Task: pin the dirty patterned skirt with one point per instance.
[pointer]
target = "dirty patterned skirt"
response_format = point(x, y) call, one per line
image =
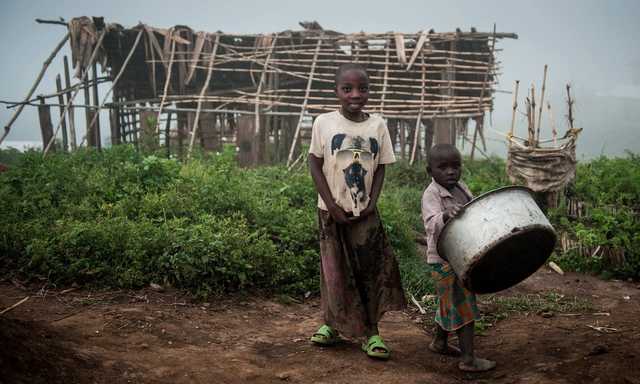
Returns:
point(359, 275)
point(456, 305)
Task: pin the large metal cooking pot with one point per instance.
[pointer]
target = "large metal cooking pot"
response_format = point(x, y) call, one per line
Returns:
point(500, 239)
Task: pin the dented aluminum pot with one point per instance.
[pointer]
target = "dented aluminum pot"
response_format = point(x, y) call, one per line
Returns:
point(498, 240)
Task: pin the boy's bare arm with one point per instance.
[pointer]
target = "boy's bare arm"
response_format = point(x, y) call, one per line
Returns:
point(315, 167)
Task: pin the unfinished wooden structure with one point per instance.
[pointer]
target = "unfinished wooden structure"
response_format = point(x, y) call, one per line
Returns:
point(183, 89)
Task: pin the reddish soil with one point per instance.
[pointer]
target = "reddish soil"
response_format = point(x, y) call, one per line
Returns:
point(164, 337)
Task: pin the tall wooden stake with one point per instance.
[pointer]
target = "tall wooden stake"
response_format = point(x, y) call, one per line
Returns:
point(96, 116)
point(570, 104)
point(44, 113)
point(65, 141)
point(71, 117)
point(515, 106)
point(419, 119)
point(544, 83)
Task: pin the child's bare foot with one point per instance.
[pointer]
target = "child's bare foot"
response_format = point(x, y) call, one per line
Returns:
point(442, 348)
point(477, 365)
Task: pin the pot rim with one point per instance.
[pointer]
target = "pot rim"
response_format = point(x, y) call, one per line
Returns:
point(477, 198)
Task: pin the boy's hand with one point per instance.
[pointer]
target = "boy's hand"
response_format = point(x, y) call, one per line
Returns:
point(451, 212)
point(338, 214)
point(365, 212)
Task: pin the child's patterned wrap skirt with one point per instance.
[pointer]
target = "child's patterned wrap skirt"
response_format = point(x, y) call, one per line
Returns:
point(456, 305)
point(359, 275)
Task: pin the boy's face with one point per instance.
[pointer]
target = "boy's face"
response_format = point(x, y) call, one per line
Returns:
point(446, 169)
point(352, 90)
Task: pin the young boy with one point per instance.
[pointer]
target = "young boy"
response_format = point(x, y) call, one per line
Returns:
point(457, 310)
point(359, 276)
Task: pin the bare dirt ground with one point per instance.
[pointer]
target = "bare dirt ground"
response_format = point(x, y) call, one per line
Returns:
point(147, 336)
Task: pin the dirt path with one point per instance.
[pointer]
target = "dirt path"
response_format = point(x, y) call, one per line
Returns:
point(162, 337)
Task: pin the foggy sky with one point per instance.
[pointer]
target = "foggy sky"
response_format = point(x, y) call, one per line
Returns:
point(591, 44)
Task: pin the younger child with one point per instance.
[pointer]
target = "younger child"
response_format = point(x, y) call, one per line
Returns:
point(359, 276)
point(457, 310)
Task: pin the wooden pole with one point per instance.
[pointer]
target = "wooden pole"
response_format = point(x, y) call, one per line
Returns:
point(65, 141)
point(71, 116)
point(544, 83)
point(194, 131)
point(167, 135)
point(515, 106)
point(88, 112)
point(304, 103)
point(75, 93)
point(473, 143)
point(554, 131)
point(570, 105)
point(96, 116)
point(45, 65)
point(419, 119)
point(46, 128)
point(532, 120)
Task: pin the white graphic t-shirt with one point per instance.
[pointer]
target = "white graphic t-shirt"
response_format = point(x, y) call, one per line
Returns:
point(351, 152)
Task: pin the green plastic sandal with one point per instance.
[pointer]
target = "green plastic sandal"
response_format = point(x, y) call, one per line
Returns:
point(325, 335)
point(375, 342)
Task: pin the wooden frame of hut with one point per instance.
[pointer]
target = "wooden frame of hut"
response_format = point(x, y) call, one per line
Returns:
point(180, 88)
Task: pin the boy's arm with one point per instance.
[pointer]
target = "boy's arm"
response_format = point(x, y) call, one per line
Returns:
point(433, 217)
point(315, 167)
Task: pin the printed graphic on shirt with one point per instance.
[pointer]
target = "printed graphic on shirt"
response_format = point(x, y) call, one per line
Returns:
point(355, 157)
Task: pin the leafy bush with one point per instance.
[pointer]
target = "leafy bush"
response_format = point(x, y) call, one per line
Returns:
point(122, 219)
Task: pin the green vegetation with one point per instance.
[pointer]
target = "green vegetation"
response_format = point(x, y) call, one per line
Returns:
point(610, 188)
point(118, 218)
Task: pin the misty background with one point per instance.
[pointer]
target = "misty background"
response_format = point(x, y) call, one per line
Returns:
point(590, 44)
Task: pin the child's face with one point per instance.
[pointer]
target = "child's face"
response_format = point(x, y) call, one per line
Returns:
point(446, 169)
point(352, 90)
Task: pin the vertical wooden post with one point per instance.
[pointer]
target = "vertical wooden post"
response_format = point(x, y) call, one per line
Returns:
point(88, 112)
point(403, 138)
point(63, 125)
point(96, 111)
point(515, 106)
point(544, 83)
point(386, 76)
point(114, 125)
point(554, 131)
point(70, 110)
point(532, 120)
point(46, 128)
point(570, 105)
point(167, 134)
point(419, 119)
